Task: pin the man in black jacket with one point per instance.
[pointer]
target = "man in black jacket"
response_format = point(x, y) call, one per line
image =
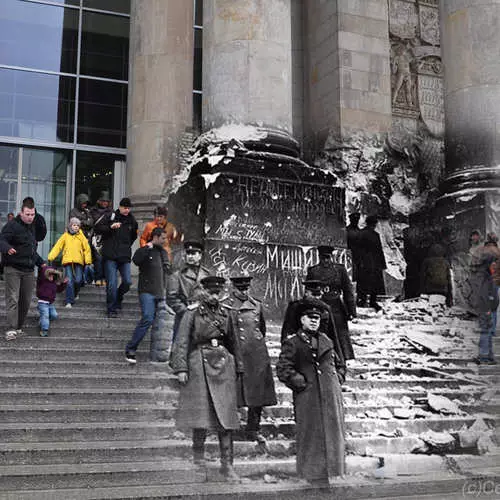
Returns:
point(154, 266)
point(119, 231)
point(18, 247)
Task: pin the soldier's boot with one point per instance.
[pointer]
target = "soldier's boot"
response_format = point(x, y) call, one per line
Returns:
point(226, 457)
point(253, 425)
point(199, 437)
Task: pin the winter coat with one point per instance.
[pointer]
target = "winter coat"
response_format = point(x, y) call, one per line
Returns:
point(154, 267)
point(340, 297)
point(247, 325)
point(170, 230)
point(353, 244)
point(75, 249)
point(371, 263)
point(209, 399)
point(291, 324)
point(183, 286)
point(46, 289)
point(435, 277)
point(307, 366)
point(20, 236)
point(40, 227)
point(82, 214)
point(117, 243)
point(486, 293)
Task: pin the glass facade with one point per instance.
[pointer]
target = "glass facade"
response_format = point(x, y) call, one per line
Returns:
point(63, 104)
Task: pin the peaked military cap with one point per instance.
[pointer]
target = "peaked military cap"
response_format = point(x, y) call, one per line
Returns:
point(309, 307)
point(193, 246)
point(314, 285)
point(325, 249)
point(241, 280)
point(213, 283)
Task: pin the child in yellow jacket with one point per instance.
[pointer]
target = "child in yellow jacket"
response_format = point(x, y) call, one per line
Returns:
point(75, 256)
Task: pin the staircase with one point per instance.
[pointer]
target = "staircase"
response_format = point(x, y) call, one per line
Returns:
point(78, 422)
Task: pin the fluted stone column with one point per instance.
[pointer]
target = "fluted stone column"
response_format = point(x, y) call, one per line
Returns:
point(470, 49)
point(160, 96)
point(247, 49)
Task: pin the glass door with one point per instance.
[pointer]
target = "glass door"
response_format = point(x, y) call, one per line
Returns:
point(44, 174)
point(9, 181)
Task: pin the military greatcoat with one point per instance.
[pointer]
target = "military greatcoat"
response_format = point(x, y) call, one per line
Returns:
point(183, 288)
point(307, 366)
point(209, 354)
point(339, 296)
point(247, 324)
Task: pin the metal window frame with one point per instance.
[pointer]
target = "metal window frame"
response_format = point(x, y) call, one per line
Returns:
point(79, 7)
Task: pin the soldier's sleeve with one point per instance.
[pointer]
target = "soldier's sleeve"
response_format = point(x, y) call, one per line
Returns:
point(286, 369)
point(181, 346)
point(289, 322)
point(340, 363)
point(262, 322)
point(174, 299)
point(233, 343)
point(348, 293)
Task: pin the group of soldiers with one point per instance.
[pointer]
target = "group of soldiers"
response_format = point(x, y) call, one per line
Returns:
point(221, 361)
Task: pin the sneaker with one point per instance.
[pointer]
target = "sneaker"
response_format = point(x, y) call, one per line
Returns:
point(19, 332)
point(68, 306)
point(98, 282)
point(130, 358)
point(11, 335)
point(44, 333)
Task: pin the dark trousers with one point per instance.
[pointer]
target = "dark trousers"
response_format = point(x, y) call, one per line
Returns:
point(253, 418)
point(18, 292)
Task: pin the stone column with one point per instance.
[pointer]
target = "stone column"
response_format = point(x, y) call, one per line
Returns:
point(247, 49)
point(470, 50)
point(160, 96)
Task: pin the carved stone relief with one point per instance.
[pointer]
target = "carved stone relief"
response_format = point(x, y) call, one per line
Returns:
point(429, 24)
point(404, 82)
point(403, 19)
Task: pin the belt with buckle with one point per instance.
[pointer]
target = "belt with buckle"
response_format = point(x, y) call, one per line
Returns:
point(210, 343)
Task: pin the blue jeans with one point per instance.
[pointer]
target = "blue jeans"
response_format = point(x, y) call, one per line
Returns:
point(74, 273)
point(47, 312)
point(487, 327)
point(115, 293)
point(149, 304)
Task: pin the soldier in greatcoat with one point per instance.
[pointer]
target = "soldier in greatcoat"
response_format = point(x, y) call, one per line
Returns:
point(206, 360)
point(307, 365)
point(371, 265)
point(313, 289)
point(247, 324)
point(337, 293)
point(184, 285)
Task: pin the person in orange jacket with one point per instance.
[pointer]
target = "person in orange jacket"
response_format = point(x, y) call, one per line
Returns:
point(160, 220)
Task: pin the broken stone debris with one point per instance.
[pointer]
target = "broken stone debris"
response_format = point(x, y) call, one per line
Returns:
point(442, 404)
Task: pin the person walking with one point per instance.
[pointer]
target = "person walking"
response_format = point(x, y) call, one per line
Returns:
point(307, 365)
point(101, 209)
point(76, 256)
point(247, 324)
point(371, 265)
point(160, 220)
point(82, 212)
point(337, 293)
point(486, 304)
point(184, 284)
point(154, 267)
point(49, 282)
point(206, 360)
point(313, 289)
point(18, 247)
point(119, 231)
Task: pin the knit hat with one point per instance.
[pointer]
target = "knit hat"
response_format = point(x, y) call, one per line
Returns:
point(75, 220)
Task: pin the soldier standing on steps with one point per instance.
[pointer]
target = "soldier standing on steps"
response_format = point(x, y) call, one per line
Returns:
point(337, 293)
point(247, 324)
point(313, 289)
point(205, 358)
point(308, 366)
point(184, 284)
